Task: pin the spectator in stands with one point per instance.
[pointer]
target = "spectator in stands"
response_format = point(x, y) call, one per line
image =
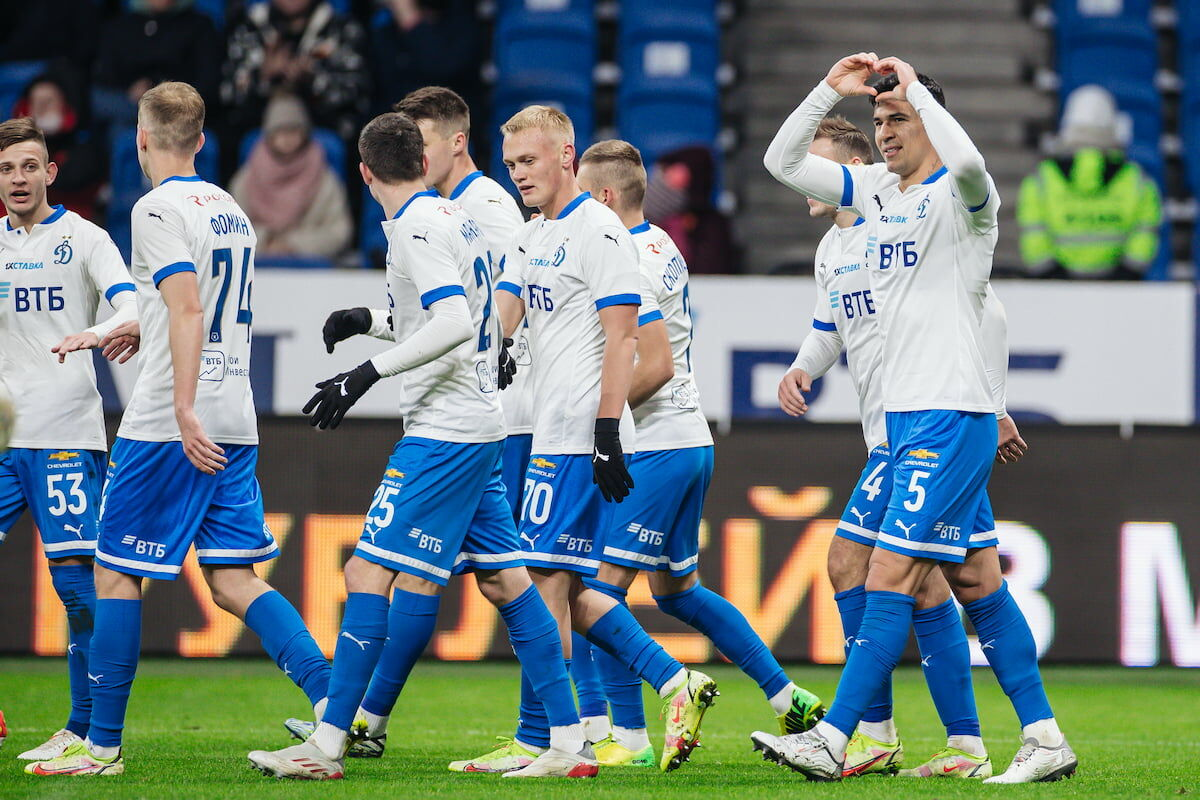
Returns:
point(1089, 212)
point(679, 200)
point(426, 43)
point(295, 201)
point(301, 46)
point(53, 100)
point(35, 31)
point(155, 41)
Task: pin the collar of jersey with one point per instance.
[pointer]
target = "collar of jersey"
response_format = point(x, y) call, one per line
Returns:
point(933, 178)
point(188, 178)
point(641, 228)
point(571, 206)
point(58, 212)
point(464, 183)
point(403, 208)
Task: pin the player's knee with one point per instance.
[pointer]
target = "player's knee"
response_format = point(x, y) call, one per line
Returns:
point(414, 585)
point(615, 575)
point(934, 591)
point(664, 584)
point(367, 576)
point(66, 561)
point(847, 563)
point(502, 586)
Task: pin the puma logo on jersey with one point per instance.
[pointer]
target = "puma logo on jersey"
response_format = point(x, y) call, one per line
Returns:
point(362, 644)
point(925, 661)
point(533, 541)
point(614, 239)
point(342, 385)
point(369, 531)
point(879, 202)
point(861, 642)
point(78, 531)
point(422, 238)
point(71, 648)
point(156, 216)
point(94, 678)
point(988, 645)
point(495, 200)
point(862, 518)
point(906, 528)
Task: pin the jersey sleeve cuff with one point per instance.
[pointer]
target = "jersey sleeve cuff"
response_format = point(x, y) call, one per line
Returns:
point(829, 327)
point(981, 206)
point(509, 286)
point(441, 293)
point(618, 300)
point(648, 317)
point(171, 269)
point(117, 288)
point(847, 187)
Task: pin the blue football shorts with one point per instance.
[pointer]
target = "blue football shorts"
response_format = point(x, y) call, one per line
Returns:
point(61, 489)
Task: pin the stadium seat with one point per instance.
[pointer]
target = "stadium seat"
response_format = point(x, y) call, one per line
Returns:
point(580, 7)
point(14, 77)
point(129, 184)
point(570, 93)
point(331, 143)
point(1079, 14)
point(660, 117)
point(657, 43)
point(1107, 50)
point(561, 42)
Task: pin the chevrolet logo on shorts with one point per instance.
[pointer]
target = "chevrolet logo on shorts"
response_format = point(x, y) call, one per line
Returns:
point(922, 453)
point(62, 455)
point(393, 473)
point(112, 464)
point(543, 463)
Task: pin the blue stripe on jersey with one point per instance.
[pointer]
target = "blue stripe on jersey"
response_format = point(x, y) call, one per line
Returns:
point(171, 269)
point(824, 326)
point(642, 228)
point(117, 288)
point(187, 178)
point(571, 206)
point(647, 318)
point(58, 212)
point(986, 197)
point(464, 183)
point(933, 178)
point(441, 293)
point(509, 286)
point(403, 208)
point(858, 222)
point(847, 187)
point(618, 300)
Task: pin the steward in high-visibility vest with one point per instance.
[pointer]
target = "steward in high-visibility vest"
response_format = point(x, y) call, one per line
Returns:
point(1090, 215)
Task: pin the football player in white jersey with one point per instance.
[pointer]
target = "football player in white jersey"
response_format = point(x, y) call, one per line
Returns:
point(57, 268)
point(845, 316)
point(930, 238)
point(573, 272)
point(182, 469)
point(657, 527)
point(440, 508)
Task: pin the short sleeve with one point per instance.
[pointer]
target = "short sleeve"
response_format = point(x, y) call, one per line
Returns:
point(649, 309)
point(160, 243)
point(106, 267)
point(610, 267)
point(430, 259)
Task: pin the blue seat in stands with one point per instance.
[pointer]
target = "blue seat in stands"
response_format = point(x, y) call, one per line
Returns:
point(658, 118)
point(561, 42)
point(14, 77)
point(663, 42)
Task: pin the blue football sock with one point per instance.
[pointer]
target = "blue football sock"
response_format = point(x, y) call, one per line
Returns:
point(621, 686)
point(877, 648)
point(411, 620)
point(1008, 644)
point(620, 635)
point(359, 645)
point(116, 642)
point(533, 633)
point(946, 660)
point(851, 605)
point(727, 628)
point(287, 640)
point(77, 590)
point(586, 676)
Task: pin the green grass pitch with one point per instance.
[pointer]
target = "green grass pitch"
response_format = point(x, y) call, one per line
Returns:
point(191, 723)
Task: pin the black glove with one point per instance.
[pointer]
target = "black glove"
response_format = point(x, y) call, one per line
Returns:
point(508, 365)
point(341, 325)
point(338, 394)
point(608, 462)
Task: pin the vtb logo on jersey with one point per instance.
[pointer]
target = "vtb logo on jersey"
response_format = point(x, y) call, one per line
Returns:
point(64, 251)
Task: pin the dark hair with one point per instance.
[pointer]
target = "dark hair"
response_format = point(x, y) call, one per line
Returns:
point(21, 129)
point(439, 105)
point(848, 139)
point(890, 82)
point(392, 148)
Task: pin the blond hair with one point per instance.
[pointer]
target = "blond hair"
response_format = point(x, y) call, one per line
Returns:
point(848, 140)
point(620, 167)
point(549, 120)
point(172, 114)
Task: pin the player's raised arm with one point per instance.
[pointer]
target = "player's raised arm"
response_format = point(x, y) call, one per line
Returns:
point(954, 147)
point(788, 159)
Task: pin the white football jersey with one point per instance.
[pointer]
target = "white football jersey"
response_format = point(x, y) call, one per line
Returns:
point(51, 282)
point(187, 224)
point(566, 270)
point(672, 419)
point(496, 212)
point(436, 251)
point(929, 258)
point(845, 304)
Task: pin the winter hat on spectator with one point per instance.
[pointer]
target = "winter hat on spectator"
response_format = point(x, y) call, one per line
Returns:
point(285, 111)
point(1090, 119)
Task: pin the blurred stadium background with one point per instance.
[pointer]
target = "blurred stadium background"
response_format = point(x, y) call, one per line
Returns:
point(1099, 522)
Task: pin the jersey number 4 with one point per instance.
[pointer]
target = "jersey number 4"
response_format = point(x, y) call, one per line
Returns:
point(222, 258)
